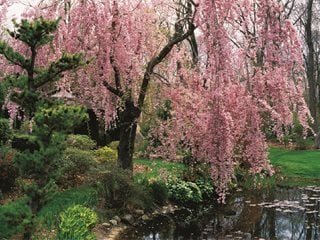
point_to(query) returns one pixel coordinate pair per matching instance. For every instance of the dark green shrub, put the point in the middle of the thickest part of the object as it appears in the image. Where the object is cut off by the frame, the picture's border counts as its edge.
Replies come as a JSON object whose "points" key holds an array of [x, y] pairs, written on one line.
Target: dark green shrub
{"points": [[206, 188], [14, 217], [196, 169], [76, 223], [24, 142], [298, 137], [106, 154], [82, 142], [163, 111], [8, 172], [159, 192], [76, 162], [5, 130], [184, 192], [119, 190]]}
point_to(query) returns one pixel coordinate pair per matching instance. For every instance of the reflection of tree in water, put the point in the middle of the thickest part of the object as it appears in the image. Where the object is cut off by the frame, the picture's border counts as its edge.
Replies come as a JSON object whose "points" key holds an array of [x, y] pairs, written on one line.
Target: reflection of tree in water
{"points": [[287, 223], [277, 214]]}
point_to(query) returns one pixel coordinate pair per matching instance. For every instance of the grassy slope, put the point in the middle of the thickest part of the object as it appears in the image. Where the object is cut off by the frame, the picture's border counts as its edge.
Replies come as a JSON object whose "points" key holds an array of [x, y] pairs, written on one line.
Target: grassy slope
{"points": [[84, 195], [153, 168], [298, 167], [87, 195]]}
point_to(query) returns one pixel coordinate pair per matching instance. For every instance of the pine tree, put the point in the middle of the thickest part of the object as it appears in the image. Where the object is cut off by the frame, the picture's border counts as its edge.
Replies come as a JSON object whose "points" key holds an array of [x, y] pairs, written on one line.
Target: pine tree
{"points": [[34, 34], [38, 158]]}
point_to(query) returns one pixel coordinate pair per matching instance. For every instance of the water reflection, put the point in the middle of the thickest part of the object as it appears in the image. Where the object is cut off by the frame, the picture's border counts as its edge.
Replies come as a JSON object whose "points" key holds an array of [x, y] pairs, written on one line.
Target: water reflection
{"points": [[278, 214]]}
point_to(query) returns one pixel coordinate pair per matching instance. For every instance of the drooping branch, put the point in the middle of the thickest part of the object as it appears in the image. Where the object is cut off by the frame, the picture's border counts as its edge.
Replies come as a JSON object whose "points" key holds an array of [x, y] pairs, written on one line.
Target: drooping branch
{"points": [[158, 59]]}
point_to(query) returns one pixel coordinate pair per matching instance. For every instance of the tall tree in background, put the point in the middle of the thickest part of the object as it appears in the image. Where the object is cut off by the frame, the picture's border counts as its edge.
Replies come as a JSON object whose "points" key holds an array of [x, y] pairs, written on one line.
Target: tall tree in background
{"points": [[310, 67], [305, 15]]}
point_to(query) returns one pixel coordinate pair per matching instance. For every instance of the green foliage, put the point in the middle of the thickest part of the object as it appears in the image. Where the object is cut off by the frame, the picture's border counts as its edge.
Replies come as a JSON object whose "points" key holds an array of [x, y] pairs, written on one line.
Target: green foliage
{"points": [[156, 168], [40, 158], [118, 190], [5, 130], [8, 172], [60, 118], [23, 142], [44, 162], [36, 33], [54, 71], [159, 192], [3, 90], [114, 145], [106, 154], [14, 217], [163, 111], [298, 136], [184, 192], [206, 187], [195, 168], [12, 56], [41, 163], [84, 195], [82, 142], [76, 223], [76, 162]]}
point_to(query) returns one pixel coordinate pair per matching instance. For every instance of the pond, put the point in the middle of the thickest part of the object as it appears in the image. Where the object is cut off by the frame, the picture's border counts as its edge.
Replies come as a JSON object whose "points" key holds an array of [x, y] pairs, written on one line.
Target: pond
{"points": [[281, 213]]}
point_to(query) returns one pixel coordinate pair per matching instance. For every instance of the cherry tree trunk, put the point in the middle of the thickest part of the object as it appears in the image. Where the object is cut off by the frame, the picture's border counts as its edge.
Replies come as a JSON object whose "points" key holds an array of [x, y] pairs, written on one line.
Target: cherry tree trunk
{"points": [[128, 127], [126, 146]]}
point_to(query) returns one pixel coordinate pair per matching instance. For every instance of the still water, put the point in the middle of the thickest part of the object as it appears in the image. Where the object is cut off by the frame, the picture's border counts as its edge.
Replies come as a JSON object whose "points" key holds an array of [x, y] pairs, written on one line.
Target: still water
{"points": [[275, 214]]}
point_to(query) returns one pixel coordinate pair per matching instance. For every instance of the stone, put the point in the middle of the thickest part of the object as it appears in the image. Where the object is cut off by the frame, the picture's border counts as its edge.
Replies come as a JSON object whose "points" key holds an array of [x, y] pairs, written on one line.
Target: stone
{"points": [[145, 217], [106, 225], [247, 236], [117, 219], [139, 212], [156, 212], [113, 222], [128, 218]]}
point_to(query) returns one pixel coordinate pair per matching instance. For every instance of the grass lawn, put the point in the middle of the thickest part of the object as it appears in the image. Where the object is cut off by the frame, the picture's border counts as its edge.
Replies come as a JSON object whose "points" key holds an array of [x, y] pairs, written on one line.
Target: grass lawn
{"points": [[153, 168], [298, 167]]}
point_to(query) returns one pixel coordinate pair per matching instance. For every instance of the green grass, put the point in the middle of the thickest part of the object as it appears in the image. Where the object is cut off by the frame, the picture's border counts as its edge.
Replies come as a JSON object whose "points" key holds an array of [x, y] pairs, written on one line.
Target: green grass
{"points": [[84, 195], [298, 167], [154, 168]]}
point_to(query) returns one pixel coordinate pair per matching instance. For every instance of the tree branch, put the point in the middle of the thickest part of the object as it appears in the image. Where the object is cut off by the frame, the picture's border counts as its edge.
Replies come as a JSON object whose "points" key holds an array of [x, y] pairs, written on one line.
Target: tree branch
{"points": [[112, 89], [157, 59]]}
